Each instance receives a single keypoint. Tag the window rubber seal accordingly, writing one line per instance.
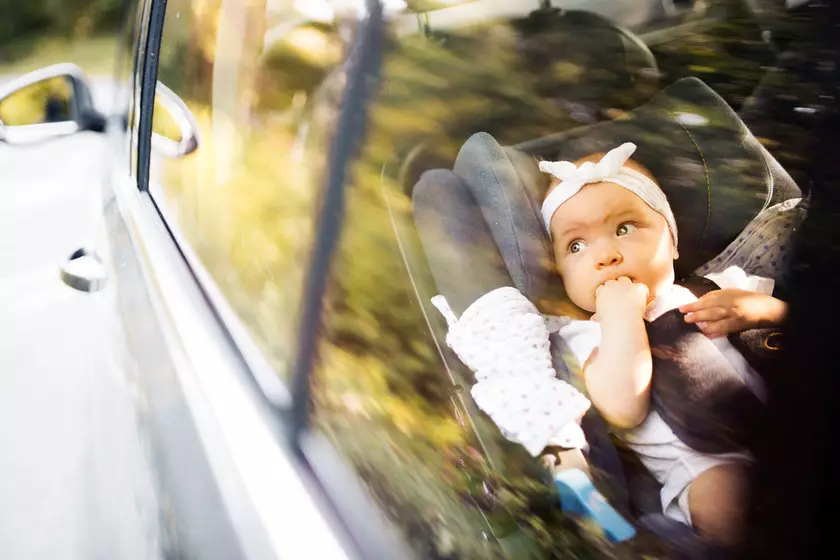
(362, 66)
(147, 92)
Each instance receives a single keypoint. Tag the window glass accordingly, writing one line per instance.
(387, 389)
(238, 78)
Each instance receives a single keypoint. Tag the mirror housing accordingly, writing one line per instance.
(65, 115)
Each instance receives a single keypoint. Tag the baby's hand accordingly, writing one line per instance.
(731, 310)
(620, 297)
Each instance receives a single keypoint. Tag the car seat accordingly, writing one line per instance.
(717, 178)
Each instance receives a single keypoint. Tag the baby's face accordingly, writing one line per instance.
(605, 231)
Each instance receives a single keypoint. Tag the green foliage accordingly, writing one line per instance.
(24, 24)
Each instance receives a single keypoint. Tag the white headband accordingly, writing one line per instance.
(610, 169)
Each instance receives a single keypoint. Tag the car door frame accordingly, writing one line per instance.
(277, 498)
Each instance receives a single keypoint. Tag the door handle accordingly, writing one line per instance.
(84, 271)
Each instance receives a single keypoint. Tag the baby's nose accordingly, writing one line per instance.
(609, 257)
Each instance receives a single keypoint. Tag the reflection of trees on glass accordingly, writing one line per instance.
(246, 199)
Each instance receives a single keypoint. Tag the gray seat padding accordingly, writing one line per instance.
(515, 78)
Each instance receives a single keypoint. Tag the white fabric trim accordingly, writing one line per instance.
(736, 277)
(610, 169)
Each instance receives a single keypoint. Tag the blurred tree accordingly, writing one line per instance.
(23, 23)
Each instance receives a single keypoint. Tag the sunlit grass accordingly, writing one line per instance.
(95, 55)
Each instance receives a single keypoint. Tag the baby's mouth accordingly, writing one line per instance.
(616, 277)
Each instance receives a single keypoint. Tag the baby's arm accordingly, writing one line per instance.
(618, 373)
(720, 312)
(744, 302)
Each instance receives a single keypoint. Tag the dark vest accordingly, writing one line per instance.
(708, 404)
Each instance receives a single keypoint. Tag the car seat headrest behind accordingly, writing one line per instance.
(716, 175)
(548, 71)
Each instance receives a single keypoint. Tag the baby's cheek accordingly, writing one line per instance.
(580, 294)
(571, 282)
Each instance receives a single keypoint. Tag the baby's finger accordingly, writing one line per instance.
(709, 328)
(717, 329)
(711, 314)
(702, 303)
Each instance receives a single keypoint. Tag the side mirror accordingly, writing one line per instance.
(50, 102)
(174, 128)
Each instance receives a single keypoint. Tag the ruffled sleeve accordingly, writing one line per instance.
(504, 340)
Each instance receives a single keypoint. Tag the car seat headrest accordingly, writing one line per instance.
(533, 75)
(716, 175)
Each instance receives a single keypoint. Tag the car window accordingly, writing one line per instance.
(245, 200)
(387, 390)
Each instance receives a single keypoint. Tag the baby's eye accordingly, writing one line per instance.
(625, 228)
(577, 246)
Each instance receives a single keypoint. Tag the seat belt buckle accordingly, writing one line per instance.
(578, 496)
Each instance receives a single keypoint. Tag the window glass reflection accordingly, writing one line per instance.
(246, 198)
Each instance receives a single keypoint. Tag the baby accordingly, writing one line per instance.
(615, 241)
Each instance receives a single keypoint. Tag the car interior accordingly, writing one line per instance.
(688, 83)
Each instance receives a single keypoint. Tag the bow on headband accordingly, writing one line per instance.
(590, 172)
(610, 169)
